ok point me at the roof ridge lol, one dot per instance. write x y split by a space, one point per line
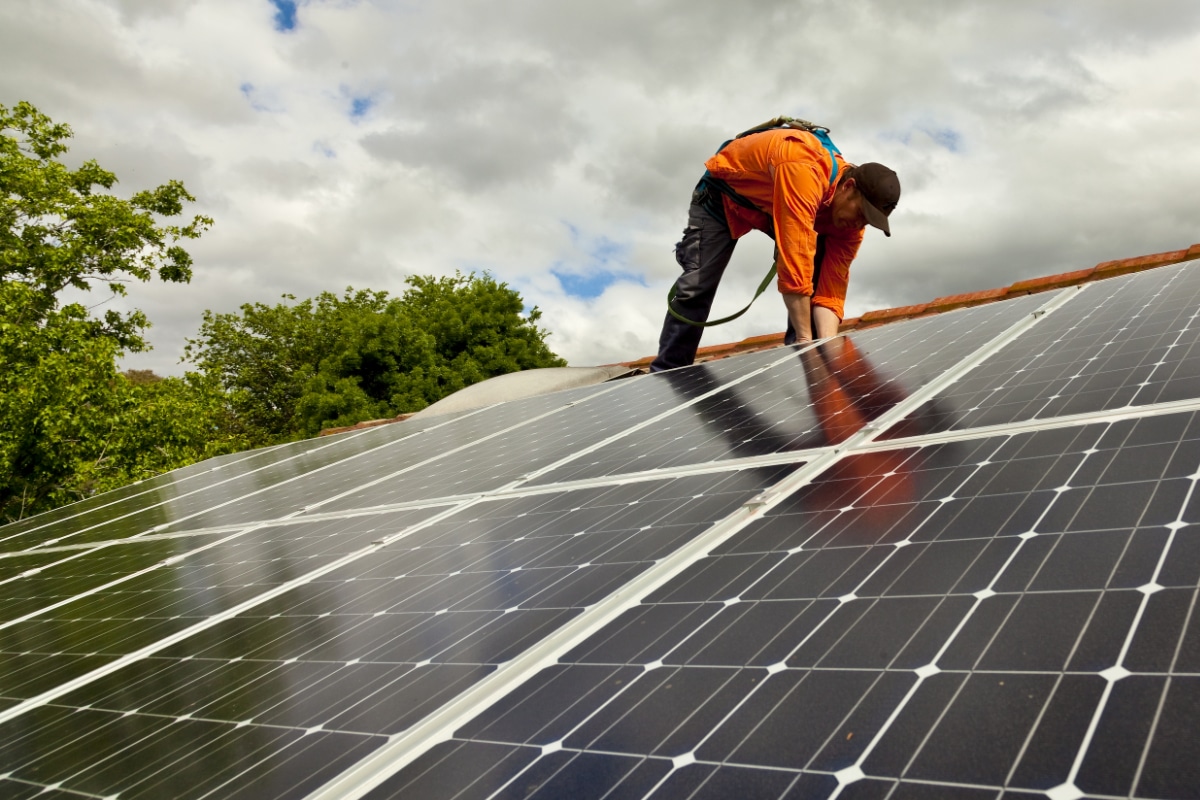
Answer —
1105 269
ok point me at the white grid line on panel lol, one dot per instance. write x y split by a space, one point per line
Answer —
518 489
153 537
179 497
624 479
446 454
1099 309
440 725
52 694
150 485
460 502
237 530
660 474
1178 336
290 519
86 549
57 790
924 673
117 581
654 420
1170 675
338 463
688 760
1129 636
515 490
1035 425
665 473
979 599
782 664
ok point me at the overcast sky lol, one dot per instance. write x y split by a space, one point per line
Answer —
556 143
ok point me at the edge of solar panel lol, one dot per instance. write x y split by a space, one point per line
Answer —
425 754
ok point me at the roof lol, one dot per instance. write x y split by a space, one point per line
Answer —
953 556
1105 269
754 344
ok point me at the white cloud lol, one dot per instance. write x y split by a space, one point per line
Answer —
1031 138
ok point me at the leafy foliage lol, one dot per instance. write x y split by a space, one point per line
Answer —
70 424
58 231
292 370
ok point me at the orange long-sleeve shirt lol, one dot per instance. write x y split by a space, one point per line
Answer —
785 173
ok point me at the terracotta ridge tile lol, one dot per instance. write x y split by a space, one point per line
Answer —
896 313
1124 266
953 301
1047 282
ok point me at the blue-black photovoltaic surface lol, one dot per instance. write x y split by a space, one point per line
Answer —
812 399
1002 614
55 620
1009 614
1130 341
183 495
335 664
512 455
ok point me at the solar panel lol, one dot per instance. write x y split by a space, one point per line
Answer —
806 399
949 557
1129 341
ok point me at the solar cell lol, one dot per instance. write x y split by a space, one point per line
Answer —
814 398
165 500
354 653
887 608
1129 341
707 583
512 454
277 481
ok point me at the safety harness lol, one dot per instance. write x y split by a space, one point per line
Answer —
711 188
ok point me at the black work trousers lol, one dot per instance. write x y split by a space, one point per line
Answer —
703 253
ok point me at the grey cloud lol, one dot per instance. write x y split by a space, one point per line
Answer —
149 161
496 122
655 172
135 10
481 124
285 178
68 61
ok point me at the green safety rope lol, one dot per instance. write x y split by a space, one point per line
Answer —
762 287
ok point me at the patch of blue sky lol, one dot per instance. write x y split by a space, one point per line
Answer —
322 148
599 270
285 14
359 106
259 99
591 285
946 137
943 136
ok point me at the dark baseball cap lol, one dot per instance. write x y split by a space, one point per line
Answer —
880 190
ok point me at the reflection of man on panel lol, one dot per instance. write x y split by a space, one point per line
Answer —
793 185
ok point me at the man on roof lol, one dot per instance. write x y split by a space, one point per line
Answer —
787 179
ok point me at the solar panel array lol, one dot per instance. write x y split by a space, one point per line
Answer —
954 557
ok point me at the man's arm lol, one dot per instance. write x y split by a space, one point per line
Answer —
799 308
827 322
798 190
803 315
829 295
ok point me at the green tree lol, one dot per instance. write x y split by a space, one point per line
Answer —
293 369
70 423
